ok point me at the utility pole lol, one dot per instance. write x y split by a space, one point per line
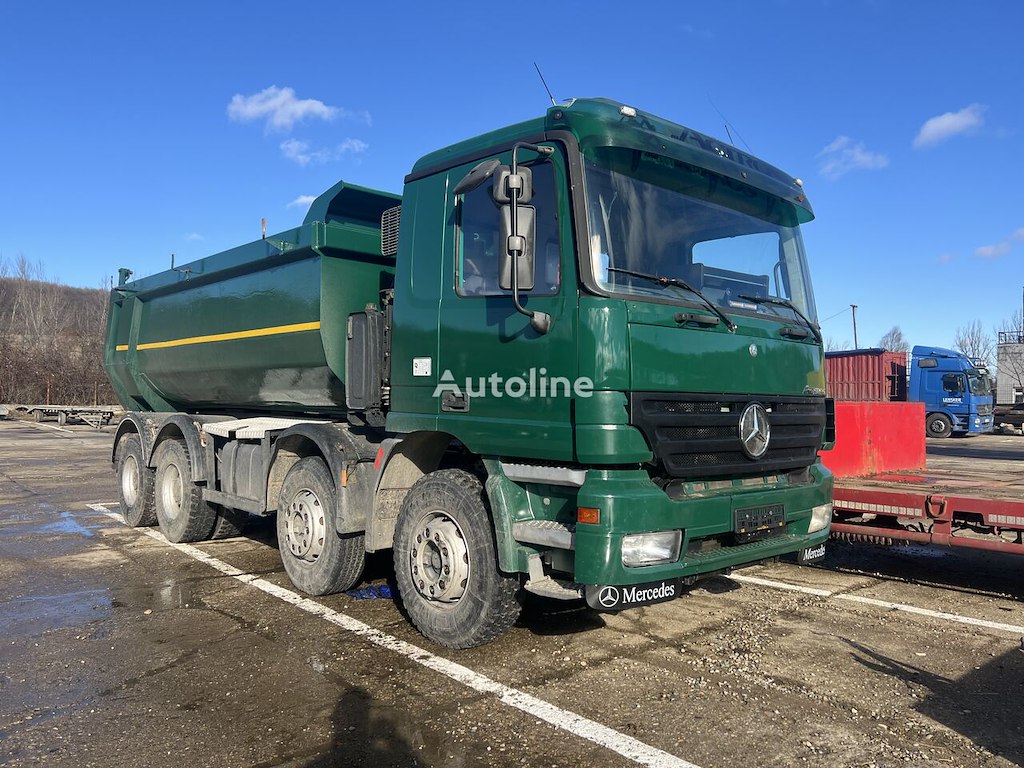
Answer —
854 308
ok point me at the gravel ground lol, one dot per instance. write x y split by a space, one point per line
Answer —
119 650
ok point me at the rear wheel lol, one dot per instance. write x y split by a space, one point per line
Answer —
180 509
135 483
938 425
230 523
62 418
317 559
446 562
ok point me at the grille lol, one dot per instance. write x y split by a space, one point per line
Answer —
389 224
696 435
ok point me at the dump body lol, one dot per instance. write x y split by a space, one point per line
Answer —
258 328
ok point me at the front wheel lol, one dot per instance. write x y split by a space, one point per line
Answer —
317 559
938 425
446 562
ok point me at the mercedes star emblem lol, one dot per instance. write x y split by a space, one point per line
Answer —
755 430
608 597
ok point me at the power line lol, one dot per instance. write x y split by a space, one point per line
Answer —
837 314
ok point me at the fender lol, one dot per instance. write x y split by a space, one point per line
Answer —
348 457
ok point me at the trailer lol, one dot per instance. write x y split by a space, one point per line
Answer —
958 501
94 415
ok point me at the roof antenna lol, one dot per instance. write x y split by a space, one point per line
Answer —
726 124
544 83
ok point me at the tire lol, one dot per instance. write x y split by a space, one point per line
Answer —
229 523
317 559
135 483
938 425
180 509
37 416
445 532
62 418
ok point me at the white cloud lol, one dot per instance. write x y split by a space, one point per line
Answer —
945 258
279 107
844 155
992 251
302 153
194 237
1001 248
949 124
302 201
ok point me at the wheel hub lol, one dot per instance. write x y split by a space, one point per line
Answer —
439 558
130 480
171 490
305 527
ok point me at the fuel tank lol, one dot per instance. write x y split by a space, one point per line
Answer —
258 328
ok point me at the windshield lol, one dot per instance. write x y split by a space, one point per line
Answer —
654 215
979 383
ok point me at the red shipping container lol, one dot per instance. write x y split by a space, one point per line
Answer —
872 375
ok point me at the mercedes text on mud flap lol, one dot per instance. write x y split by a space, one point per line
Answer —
639 291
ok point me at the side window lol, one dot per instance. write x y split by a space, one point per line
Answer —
953 383
478 239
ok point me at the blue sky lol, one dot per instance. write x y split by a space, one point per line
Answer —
132 131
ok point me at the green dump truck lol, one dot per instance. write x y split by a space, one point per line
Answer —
577 357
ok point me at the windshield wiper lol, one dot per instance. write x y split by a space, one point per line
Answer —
675 281
789 305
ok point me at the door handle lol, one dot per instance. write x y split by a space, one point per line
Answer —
456 402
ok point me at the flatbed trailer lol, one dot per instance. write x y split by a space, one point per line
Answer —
959 501
93 415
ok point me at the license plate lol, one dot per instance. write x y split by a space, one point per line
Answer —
607 597
809 555
757 522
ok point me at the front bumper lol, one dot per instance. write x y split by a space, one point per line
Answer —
630 503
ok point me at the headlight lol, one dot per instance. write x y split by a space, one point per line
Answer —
651 548
820 517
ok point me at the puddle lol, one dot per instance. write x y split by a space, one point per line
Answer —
67 524
29 616
169 593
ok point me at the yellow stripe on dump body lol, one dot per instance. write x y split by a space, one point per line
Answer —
250 334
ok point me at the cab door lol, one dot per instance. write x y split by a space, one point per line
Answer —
503 388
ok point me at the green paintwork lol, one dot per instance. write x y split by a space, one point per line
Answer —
630 502
317 273
331 266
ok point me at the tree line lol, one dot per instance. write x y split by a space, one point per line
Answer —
51 339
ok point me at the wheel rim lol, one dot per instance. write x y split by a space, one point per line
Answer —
305 529
439 558
171 490
130 481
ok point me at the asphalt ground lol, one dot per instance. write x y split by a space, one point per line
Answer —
118 649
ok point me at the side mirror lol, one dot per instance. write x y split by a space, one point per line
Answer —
477 176
524 242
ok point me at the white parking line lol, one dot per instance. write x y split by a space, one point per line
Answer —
602 735
941 615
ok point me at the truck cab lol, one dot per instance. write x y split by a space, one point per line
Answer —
955 390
